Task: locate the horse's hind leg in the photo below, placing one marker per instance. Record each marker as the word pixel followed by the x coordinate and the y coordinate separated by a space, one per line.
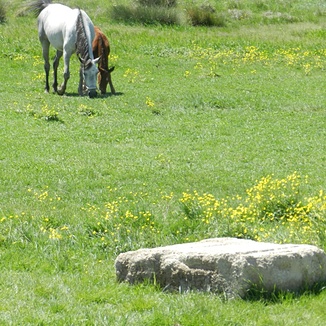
pixel 45 50
pixel 66 74
pixel 55 69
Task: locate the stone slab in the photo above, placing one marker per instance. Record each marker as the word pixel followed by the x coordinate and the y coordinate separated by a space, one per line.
pixel 228 265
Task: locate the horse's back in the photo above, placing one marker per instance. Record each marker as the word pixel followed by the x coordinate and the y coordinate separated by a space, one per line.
pixel 54 21
pixel 57 15
pixel 57 23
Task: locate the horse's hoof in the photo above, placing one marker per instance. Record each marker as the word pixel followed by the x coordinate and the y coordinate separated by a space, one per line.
pixel 60 92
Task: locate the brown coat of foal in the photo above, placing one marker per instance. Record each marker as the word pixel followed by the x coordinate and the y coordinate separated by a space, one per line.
pixel 101 48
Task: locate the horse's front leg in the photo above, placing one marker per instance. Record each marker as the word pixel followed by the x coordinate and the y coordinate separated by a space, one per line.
pixel 66 75
pixel 81 86
pixel 111 84
pixel 55 70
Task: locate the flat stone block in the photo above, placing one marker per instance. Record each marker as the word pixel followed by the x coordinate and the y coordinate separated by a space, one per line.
pixel 228 265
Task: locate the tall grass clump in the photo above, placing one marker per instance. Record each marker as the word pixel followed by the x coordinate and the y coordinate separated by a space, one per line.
pixel 147 12
pixel 205 15
pixel 3 13
pixel 157 3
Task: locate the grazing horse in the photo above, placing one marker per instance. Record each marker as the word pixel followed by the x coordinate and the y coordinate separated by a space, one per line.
pixel 101 49
pixel 68 31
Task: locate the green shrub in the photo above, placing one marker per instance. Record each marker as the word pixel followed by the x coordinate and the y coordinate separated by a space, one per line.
pixel 145 15
pixel 205 15
pixel 121 13
pixel 158 3
pixel 2 12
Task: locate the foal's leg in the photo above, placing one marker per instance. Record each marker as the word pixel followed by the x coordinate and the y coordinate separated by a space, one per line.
pixel 55 69
pixel 110 81
pixel 66 74
pixel 45 50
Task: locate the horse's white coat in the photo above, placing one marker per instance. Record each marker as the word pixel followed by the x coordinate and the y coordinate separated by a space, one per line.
pixel 57 26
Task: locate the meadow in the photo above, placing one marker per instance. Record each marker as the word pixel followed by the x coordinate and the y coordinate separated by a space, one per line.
pixel 215 131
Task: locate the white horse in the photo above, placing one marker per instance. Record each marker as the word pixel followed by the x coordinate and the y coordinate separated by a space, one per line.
pixel 68 31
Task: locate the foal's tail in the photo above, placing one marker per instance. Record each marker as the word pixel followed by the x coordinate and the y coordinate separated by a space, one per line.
pixel 36 6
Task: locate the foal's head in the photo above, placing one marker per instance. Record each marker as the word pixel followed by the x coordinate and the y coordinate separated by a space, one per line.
pixel 104 77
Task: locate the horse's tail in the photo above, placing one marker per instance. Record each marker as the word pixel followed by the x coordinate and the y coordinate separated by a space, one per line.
pixel 36 6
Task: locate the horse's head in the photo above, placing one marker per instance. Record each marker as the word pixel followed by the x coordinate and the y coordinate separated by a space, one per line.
pixel 104 78
pixel 90 72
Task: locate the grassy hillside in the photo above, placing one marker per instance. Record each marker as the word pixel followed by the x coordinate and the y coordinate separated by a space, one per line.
pixel 210 125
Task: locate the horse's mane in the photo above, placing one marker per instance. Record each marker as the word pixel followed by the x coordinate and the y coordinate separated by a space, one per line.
pixel 36 6
pixel 82 46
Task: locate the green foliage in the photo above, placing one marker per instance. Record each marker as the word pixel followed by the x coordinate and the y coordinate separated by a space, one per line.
pixel 145 15
pixel 157 3
pixel 205 15
pixel 3 12
pixel 218 13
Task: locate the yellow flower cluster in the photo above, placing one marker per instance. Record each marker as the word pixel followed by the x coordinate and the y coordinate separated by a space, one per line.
pixel 271 211
pixel 149 102
pixel 45 197
pixel 210 58
pixel 56 233
pixel 19 57
pixel 298 57
pixel 117 221
pixel 46 113
pixel 50 114
pixel 131 75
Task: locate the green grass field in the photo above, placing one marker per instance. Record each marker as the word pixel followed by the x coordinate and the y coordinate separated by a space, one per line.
pixel 214 132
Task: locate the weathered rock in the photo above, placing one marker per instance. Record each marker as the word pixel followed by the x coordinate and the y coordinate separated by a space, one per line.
pixel 228 265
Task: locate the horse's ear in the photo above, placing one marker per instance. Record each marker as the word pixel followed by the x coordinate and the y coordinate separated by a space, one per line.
pixel 97 59
pixel 106 70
